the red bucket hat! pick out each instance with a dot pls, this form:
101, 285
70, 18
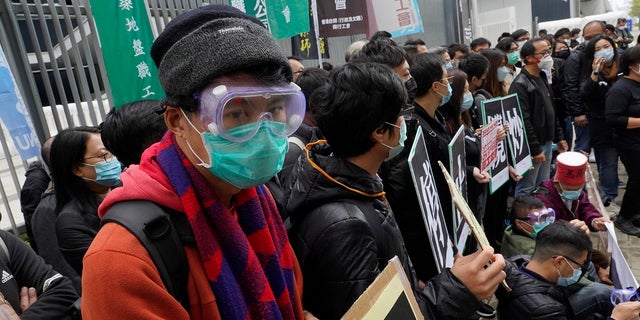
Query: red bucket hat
571, 168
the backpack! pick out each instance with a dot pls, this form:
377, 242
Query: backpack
154, 227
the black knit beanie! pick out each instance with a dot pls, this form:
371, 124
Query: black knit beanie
205, 43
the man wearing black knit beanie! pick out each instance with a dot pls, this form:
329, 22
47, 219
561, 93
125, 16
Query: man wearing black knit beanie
229, 108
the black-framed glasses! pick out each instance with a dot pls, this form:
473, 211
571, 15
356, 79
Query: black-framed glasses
106, 156
583, 267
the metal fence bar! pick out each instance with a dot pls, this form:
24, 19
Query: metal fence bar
54, 66
14, 176
93, 39
68, 68
41, 64
79, 61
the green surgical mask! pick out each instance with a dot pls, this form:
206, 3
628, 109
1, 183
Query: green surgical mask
513, 57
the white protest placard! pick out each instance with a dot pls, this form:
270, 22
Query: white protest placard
499, 170
458, 166
424, 183
619, 272
517, 137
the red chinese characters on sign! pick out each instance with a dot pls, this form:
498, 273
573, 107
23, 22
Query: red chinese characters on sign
404, 14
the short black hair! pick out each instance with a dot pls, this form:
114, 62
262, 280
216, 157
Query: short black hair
474, 65
129, 130
561, 239
309, 80
455, 47
382, 51
518, 33
504, 35
415, 42
528, 49
561, 32
521, 206
505, 44
610, 27
630, 57
575, 31
326, 66
479, 42
621, 19
370, 92
384, 35
542, 31
426, 69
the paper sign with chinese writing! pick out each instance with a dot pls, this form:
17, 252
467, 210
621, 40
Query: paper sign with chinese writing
126, 37
620, 272
489, 145
499, 169
398, 17
518, 143
342, 18
389, 296
305, 45
458, 168
425, 185
283, 18
14, 114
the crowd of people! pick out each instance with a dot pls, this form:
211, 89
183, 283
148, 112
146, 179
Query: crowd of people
286, 189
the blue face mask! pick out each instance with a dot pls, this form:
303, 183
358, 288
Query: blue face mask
502, 73
446, 98
538, 227
606, 53
248, 163
569, 195
107, 172
467, 102
565, 282
449, 65
513, 57
394, 151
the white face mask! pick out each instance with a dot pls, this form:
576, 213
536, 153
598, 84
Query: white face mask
637, 72
546, 63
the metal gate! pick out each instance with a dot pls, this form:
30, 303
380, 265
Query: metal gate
54, 55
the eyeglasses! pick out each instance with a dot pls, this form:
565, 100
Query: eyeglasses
449, 80
106, 156
583, 267
543, 53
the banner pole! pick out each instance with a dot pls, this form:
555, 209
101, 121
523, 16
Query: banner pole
316, 28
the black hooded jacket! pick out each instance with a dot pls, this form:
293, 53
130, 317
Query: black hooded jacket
344, 233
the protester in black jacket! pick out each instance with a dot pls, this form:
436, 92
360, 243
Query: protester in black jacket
36, 182
22, 268
343, 230
575, 72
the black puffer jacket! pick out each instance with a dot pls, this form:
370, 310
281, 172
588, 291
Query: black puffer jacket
344, 233
531, 298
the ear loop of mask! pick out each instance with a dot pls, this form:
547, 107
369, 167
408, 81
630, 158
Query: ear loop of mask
202, 163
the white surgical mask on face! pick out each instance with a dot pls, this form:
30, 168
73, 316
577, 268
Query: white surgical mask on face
546, 63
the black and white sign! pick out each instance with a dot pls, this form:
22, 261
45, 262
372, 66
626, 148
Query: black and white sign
425, 186
457, 167
499, 170
518, 144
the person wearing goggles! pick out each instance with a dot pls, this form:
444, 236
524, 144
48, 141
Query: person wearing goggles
229, 108
563, 193
528, 217
553, 279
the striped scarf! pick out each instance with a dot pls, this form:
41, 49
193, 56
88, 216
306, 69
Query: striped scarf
246, 258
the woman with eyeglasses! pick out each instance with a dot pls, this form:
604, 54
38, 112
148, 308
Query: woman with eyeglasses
84, 172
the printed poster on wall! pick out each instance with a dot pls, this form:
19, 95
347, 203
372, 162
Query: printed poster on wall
424, 183
14, 114
398, 17
343, 18
458, 169
517, 138
499, 169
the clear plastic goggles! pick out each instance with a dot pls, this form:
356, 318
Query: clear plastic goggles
623, 295
236, 113
541, 216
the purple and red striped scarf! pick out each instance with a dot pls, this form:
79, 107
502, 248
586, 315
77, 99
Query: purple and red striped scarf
246, 259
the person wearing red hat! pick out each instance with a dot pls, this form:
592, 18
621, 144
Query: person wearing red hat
563, 193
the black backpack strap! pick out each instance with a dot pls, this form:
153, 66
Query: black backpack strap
154, 228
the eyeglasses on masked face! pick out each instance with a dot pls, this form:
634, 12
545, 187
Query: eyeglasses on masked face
582, 266
236, 113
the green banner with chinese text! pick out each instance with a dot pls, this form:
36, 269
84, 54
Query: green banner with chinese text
125, 36
283, 18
